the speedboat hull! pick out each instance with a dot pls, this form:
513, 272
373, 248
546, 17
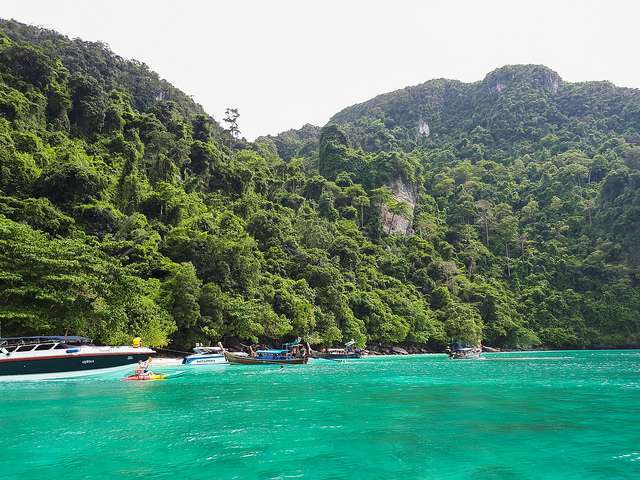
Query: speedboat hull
207, 359
465, 355
73, 363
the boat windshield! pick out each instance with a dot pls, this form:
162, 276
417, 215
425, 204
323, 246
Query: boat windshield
207, 350
19, 341
32, 347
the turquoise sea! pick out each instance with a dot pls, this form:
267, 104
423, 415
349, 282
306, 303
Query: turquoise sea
559, 415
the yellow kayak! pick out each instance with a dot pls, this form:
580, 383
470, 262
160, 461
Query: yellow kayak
150, 377
147, 377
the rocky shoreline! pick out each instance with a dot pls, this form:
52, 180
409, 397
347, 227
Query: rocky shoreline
396, 350
388, 350
380, 349
383, 349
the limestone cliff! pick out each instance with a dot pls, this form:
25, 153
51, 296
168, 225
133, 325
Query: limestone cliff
402, 192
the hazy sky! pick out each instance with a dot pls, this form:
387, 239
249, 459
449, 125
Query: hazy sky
285, 63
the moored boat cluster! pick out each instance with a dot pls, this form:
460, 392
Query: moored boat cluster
58, 357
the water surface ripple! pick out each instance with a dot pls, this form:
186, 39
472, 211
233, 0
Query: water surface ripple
509, 416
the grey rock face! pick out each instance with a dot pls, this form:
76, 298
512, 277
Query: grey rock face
402, 192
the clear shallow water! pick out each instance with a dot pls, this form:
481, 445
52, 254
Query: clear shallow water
510, 416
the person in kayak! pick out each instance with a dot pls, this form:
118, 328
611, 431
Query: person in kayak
143, 368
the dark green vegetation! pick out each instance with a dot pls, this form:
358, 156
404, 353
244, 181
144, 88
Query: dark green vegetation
506, 210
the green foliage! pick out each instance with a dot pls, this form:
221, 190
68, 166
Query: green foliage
64, 285
335, 154
126, 211
181, 295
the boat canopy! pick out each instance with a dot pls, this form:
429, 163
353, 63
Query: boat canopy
272, 352
460, 345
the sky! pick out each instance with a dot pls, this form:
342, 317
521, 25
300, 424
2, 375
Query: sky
284, 63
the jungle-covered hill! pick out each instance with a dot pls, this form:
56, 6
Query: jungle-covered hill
506, 210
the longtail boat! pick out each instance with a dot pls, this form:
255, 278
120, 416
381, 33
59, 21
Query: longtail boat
268, 357
346, 353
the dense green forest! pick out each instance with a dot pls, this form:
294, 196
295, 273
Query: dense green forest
505, 211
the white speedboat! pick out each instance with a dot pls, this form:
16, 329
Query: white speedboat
43, 358
465, 353
205, 356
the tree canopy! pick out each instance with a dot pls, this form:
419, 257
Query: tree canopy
126, 211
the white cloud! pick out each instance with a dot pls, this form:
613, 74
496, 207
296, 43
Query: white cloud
284, 63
